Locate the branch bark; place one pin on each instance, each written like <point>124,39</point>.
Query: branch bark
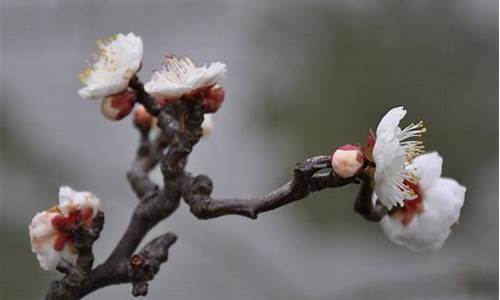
<point>180,130</point>
<point>304,181</point>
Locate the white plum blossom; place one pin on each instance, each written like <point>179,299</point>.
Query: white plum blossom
<point>48,229</point>
<point>179,77</point>
<point>392,153</point>
<point>424,222</point>
<point>208,125</point>
<point>118,59</point>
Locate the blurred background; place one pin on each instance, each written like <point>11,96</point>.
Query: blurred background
<point>304,77</point>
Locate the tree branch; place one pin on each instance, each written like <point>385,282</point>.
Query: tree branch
<point>304,181</point>
<point>180,130</point>
<point>364,203</point>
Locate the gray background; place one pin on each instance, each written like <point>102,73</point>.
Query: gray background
<point>304,77</point>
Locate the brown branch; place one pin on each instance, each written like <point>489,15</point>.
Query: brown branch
<point>304,181</point>
<point>364,203</point>
<point>143,97</point>
<point>180,130</point>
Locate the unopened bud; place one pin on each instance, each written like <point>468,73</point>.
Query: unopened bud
<point>213,99</point>
<point>142,119</point>
<point>348,161</point>
<point>117,107</point>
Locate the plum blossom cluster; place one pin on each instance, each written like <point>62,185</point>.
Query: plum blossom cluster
<point>422,205</point>
<point>51,230</point>
<point>118,60</point>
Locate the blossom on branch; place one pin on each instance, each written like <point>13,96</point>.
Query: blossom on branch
<point>424,222</point>
<point>179,77</point>
<point>50,230</point>
<point>392,153</point>
<point>118,59</point>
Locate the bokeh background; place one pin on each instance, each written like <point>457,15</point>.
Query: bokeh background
<point>304,77</point>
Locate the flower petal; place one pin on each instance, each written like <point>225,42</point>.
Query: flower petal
<point>42,236</point>
<point>428,168</point>
<point>70,199</point>
<point>118,60</point>
<point>429,229</point>
<point>390,121</point>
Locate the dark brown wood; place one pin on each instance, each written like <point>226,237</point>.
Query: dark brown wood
<point>180,130</point>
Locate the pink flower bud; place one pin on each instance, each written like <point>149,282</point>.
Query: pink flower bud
<point>347,160</point>
<point>213,99</point>
<point>142,119</point>
<point>117,107</point>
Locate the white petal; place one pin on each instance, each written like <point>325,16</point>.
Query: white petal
<point>429,229</point>
<point>390,121</point>
<point>179,76</point>
<point>160,87</point>
<point>428,168</point>
<point>47,256</point>
<point>42,236</point>
<point>70,199</point>
<point>445,199</point>
<point>211,75</point>
<point>119,59</point>
<point>65,195</point>
<point>391,153</point>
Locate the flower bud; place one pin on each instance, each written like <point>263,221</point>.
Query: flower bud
<point>213,99</point>
<point>347,160</point>
<point>142,119</point>
<point>117,107</point>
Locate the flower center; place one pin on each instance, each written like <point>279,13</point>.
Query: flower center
<point>411,207</point>
<point>64,225</point>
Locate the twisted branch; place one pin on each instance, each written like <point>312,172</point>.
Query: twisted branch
<point>180,130</point>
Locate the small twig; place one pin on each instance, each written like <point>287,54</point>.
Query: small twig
<point>144,265</point>
<point>144,98</point>
<point>304,181</point>
<point>364,203</point>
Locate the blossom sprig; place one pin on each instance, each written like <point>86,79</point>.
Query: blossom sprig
<point>424,222</point>
<point>420,205</point>
<point>51,231</point>
<point>112,78</point>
